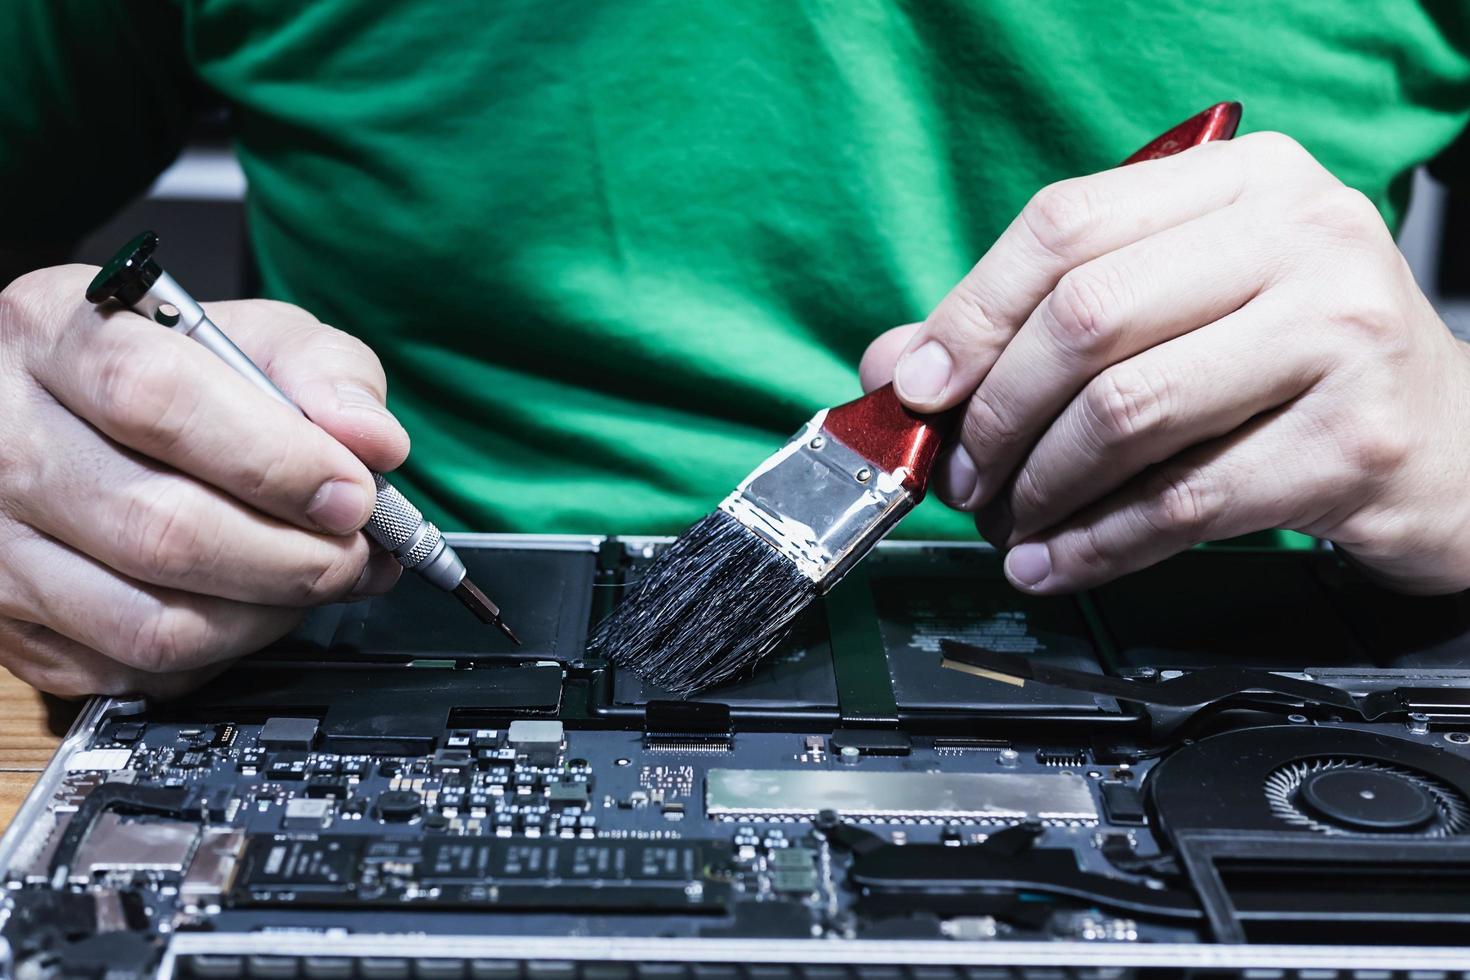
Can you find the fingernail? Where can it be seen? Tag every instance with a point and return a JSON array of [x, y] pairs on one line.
[[356, 396], [956, 479], [923, 374], [340, 506], [1028, 564]]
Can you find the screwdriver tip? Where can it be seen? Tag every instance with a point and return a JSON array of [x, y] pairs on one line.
[[485, 610]]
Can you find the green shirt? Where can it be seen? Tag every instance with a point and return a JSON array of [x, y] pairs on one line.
[[613, 254]]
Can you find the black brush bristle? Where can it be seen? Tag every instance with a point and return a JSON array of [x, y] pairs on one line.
[[708, 608]]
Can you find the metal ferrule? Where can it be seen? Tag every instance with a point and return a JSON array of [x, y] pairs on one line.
[[416, 543], [819, 503]]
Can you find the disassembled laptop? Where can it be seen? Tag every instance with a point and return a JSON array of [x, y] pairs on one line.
[[395, 792]]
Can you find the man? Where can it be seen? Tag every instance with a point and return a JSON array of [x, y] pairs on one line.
[[611, 254]]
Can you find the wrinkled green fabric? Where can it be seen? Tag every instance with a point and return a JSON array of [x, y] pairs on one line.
[[613, 254]]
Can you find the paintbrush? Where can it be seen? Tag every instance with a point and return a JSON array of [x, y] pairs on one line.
[[727, 591]]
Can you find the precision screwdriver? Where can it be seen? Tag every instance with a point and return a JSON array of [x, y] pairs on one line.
[[135, 279]]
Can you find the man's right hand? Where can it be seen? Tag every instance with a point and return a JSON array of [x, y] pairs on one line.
[[159, 515]]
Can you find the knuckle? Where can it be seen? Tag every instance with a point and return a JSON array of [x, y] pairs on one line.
[[163, 640], [146, 391], [1028, 493], [160, 539], [351, 344], [41, 300], [1179, 504], [282, 312], [987, 427], [1373, 320], [1086, 549], [1344, 214], [1125, 403], [1085, 309], [291, 464], [330, 576], [25, 303], [1358, 213], [1061, 216], [1376, 448], [1276, 148], [967, 313], [1385, 532]]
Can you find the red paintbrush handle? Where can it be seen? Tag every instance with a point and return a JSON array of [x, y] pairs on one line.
[[879, 428], [1218, 122]]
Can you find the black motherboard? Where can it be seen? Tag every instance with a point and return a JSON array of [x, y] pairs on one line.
[[393, 791]]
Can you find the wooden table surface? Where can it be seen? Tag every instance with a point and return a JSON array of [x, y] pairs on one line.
[[31, 726]]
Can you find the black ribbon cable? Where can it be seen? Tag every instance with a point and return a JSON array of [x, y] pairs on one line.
[[859, 659], [1196, 689]]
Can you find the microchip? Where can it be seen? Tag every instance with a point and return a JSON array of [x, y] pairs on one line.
[[288, 733], [793, 858], [452, 759], [564, 793], [452, 872], [539, 741], [327, 863], [488, 738], [320, 788], [288, 766], [794, 881], [216, 802], [307, 813], [355, 767], [1123, 803], [127, 733]]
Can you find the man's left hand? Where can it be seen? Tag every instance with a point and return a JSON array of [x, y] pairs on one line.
[[1190, 349]]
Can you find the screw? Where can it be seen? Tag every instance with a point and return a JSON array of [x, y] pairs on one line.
[[1009, 758], [1457, 738], [1297, 719], [864, 475]]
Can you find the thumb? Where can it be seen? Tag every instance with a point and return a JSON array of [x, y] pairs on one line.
[[336, 379], [876, 368]]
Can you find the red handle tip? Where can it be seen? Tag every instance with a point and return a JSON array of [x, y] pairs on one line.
[[1218, 122]]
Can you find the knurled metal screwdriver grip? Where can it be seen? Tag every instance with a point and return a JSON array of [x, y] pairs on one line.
[[135, 279]]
